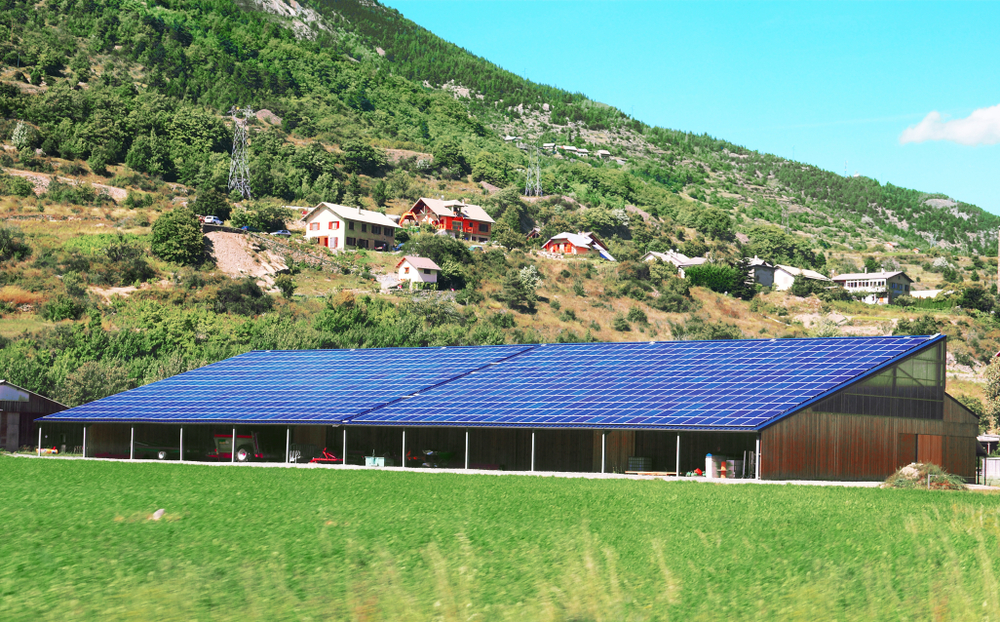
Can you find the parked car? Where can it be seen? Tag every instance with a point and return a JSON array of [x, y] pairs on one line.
[[212, 220], [282, 232]]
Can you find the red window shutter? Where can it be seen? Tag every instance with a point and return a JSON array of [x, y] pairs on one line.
[[330, 224]]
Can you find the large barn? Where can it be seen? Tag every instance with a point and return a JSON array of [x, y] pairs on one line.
[[832, 409]]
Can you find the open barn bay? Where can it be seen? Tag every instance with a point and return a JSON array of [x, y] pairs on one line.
[[244, 543]]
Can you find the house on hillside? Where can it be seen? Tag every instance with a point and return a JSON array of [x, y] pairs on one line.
[[456, 218], [340, 227], [677, 259], [419, 271], [876, 287], [18, 410], [580, 244], [602, 154], [781, 277]]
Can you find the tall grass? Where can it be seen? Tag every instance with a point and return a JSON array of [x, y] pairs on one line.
[[243, 543]]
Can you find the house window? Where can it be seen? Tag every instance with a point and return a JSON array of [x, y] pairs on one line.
[[364, 228], [456, 225], [350, 226], [351, 241], [484, 228], [313, 226], [377, 230], [406, 270], [427, 271], [334, 224], [362, 243]]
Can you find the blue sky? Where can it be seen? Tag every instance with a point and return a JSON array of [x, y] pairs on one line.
[[904, 92]]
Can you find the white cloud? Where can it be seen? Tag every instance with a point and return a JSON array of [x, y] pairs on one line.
[[982, 127]]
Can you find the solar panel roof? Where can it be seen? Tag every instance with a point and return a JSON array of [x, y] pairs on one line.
[[732, 385], [290, 386]]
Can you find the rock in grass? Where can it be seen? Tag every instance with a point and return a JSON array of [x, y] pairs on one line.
[[157, 515]]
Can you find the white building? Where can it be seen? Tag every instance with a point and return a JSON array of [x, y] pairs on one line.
[[419, 270], [339, 227], [678, 259], [781, 277], [876, 287]]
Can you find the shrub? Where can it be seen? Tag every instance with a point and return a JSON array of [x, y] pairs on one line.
[[620, 324], [502, 320], [636, 315], [243, 297], [15, 186], [177, 237], [62, 307], [12, 244], [716, 277], [285, 284], [212, 203], [578, 289], [568, 316], [924, 475], [924, 325], [555, 305], [468, 296]]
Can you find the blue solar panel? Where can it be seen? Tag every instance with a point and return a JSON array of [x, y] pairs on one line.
[[740, 384], [292, 386]]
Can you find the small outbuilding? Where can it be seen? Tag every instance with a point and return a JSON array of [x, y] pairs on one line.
[[677, 259]]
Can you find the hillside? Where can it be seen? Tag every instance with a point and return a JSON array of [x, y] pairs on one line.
[[114, 116]]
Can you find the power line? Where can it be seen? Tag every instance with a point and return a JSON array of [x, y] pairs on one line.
[[239, 165], [533, 176]]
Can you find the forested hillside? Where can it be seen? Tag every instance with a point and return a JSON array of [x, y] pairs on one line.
[[115, 130]]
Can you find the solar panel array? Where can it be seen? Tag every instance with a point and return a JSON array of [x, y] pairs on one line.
[[291, 386], [668, 385], [734, 385]]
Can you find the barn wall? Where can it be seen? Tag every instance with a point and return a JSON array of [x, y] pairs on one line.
[[825, 446]]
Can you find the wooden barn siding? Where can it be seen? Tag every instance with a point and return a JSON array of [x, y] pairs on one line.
[[825, 446], [27, 432]]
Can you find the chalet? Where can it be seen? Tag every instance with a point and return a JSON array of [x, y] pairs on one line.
[[340, 227], [876, 287], [679, 260], [585, 244], [417, 271], [602, 153], [457, 218], [781, 277]]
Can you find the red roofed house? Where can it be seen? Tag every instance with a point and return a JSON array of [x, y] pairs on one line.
[[419, 271], [577, 244], [459, 219]]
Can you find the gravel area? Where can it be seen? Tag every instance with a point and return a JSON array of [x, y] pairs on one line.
[[236, 255]]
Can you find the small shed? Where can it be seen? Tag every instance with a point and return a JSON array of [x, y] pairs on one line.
[[18, 410], [420, 270]]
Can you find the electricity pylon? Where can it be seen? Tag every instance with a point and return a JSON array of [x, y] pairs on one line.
[[239, 166], [533, 177]]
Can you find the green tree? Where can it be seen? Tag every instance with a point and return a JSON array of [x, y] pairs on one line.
[[286, 285], [242, 297], [94, 380], [211, 202], [12, 244], [360, 157], [176, 237], [515, 294], [924, 325], [717, 277], [380, 192], [448, 154]]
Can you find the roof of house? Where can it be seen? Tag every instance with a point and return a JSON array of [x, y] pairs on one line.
[[678, 259], [454, 207], [726, 385], [419, 262], [803, 272], [867, 276], [351, 213]]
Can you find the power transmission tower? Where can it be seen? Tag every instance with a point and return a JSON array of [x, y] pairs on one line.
[[533, 177], [239, 166]]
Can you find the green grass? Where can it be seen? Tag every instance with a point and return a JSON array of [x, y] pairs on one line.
[[243, 543]]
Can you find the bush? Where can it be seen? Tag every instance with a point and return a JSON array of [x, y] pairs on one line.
[[620, 324], [924, 325], [637, 316], [716, 277], [568, 316], [62, 307], [15, 186], [286, 285], [12, 244], [468, 296], [262, 217], [212, 203], [502, 320], [126, 264], [926, 476], [243, 297], [177, 237]]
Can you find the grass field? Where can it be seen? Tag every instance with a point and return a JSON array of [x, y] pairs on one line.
[[243, 543]]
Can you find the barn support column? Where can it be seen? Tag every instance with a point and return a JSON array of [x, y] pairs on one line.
[[288, 445], [756, 461], [604, 449], [467, 448], [677, 457], [233, 447], [39, 447], [181, 459], [404, 449], [532, 450], [84, 441], [343, 456], [131, 445]]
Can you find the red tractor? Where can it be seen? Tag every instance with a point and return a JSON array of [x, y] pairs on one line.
[[247, 448]]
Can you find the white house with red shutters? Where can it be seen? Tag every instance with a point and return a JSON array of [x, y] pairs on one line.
[[418, 271], [339, 227]]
